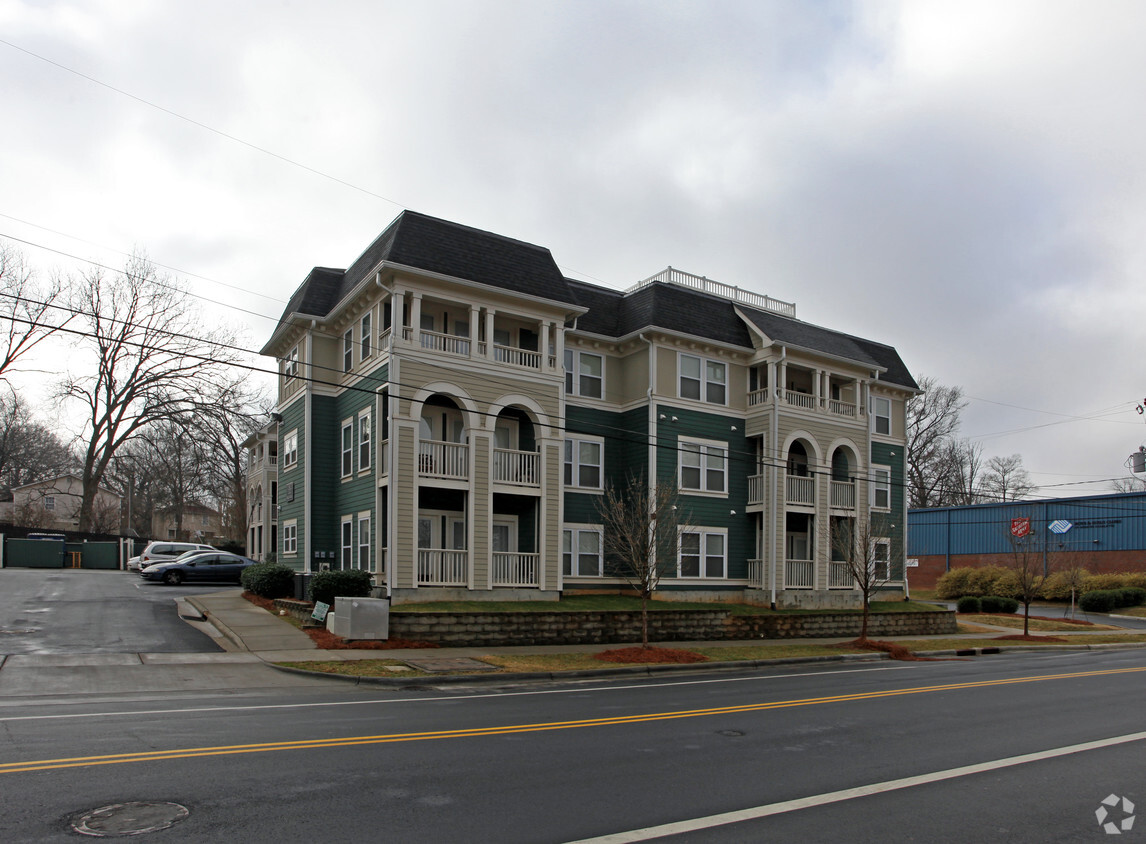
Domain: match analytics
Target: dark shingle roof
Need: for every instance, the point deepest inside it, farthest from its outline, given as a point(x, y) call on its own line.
point(439, 246)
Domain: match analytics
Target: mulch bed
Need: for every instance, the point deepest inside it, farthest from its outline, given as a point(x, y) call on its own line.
point(1019, 637)
point(327, 641)
point(1077, 621)
point(650, 655)
point(892, 650)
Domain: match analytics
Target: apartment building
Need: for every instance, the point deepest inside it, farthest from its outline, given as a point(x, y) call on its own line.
point(451, 409)
point(262, 448)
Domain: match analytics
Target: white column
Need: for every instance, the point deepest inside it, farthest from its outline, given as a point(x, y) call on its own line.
point(817, 388)
point(416, 318)
point(543, 346)
point(475, 317)
point(489, 333)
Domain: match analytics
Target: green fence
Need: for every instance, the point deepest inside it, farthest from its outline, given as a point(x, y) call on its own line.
point(53, 554)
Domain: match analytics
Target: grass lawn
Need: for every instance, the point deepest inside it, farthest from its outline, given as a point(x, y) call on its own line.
point(1137, 612)
point(627, 603)
point(1036, 624)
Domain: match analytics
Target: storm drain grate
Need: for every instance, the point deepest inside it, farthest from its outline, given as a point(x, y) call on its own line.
point(122, 819)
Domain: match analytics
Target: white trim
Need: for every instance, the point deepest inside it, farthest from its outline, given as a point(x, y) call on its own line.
point(876, 486)
point(346, 472)
point(574, 484)
point(702, 379)
point(702, 449)
point(702, 553)
point(574, 531)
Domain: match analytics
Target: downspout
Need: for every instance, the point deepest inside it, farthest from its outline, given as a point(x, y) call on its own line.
point(652, 412)
point(774, 468)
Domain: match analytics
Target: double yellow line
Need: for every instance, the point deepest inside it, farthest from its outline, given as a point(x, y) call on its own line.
point(354, 741)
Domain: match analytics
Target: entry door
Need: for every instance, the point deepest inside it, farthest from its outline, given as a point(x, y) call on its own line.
point(504, 536)
point(442, 531)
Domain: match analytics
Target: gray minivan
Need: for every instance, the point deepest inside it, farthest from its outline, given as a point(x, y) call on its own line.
point(162, 552)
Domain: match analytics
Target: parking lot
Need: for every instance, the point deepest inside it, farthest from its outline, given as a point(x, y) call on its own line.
point(71, 611)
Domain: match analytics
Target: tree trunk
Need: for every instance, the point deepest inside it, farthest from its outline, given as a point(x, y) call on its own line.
point(863, 623)
point(644, 621)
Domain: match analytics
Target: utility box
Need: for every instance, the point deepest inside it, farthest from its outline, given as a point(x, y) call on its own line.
point(360, 618)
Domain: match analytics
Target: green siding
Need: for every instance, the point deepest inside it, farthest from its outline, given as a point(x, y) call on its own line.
point(625, 454)
point(294, 418)
point(884, 454)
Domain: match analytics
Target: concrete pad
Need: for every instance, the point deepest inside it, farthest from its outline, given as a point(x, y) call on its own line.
point(16, 661)
point(199, 659)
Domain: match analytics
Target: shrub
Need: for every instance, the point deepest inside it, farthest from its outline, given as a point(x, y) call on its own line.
point(1057, 586)
point(1008, 605)
point(352, 583)
point(991, 603)
point(1097, 600)
point(1135, 579)
point(1007, 585)
point(953, 584)
point(969, 604)
point(268, 580)
point(1103, 582)
point(1129, 596)
point(984, 579)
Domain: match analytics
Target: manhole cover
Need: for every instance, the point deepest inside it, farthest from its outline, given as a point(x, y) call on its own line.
point(450, 665)
point(129, 819)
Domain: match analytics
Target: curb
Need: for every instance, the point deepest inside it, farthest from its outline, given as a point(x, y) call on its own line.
point(227, 633)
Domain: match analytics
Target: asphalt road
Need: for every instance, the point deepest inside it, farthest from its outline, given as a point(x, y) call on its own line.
point(64, 611)
point(803, 753)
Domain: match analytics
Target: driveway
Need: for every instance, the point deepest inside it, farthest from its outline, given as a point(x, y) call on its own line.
point(76, 611)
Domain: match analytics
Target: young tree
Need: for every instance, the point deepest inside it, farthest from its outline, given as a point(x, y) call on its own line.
point(29, 310)
point(643, 526)
point(869, 549)
point(932, 423)
point(1025, 561)
point(150, 361)
point(1006, 480)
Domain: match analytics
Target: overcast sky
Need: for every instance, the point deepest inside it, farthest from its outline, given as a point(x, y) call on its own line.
point(963, 181)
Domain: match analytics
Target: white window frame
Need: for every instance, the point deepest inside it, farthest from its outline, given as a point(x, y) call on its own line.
point(702, 380)
point(362, 558)
point(692, 445)
point(574, 375)
point(290, 364)
point(290, 449)
point(290, 538)
point(364, 328)
point(49, 502)
point(572, 533)
point(877, 486)
point(885, 575)
point(876, 401)
point(365, 440)
point(703, 555)
point(572, 459)
point(346, 451)
point(348, 350)
point(346, 542)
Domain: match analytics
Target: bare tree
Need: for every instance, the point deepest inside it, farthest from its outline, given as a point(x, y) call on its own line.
point(963, 473)
point(29, 310)
point(29, 451)
point(932, 423)
point(869, 549)
point(643, 527)
point(1005, 479)
point(1131, 483)
point(1025, 561)
point(147, 364)
point(180, 462)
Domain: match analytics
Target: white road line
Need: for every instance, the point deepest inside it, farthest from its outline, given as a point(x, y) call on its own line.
point(651, 832)
point(456, 699)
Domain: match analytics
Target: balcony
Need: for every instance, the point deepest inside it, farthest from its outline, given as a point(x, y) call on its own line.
point(839, 575)
point(756, 574)
point(513, 569)
point(450, 461)
point(798, 399)
point(842, 408)
point(799, 489)
point(755, 489)
point(843, 495)
point(516, 357)
point(799, 574)
point(519, 468)
point(441, 567)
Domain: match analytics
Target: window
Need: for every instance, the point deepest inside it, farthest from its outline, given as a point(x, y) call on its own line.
point(584, 374)
point(881, 559)
point(290, 449)
point(290, 363)
point(881, 488)
point(364, 330)
point(364, 541)
point(583, 463)
point(364, 441)
point(581, 552)
point(881, 415)
point(49, 502)
point(347, 543)
point(274, 493)
point(348, 350)
point(703, 380)
point(347, 448)
point(702, 554)
point(703, 466)
point(290, 537)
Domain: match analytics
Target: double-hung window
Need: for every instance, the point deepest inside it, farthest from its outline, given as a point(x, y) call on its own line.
point(348, 350)
point(584, 374)
point(290, 364)
point(703, 554)
point(290, 449)
point(347, 448)
point(581, 552)
point(881, 560)
point(703, 466)
point(881, 488)
point(703, 380)
point(364, 440)
point(290, 537)
point(881, 415)
point(363, 541)
point(364, 331)
point(347, 560)
point(583, 461)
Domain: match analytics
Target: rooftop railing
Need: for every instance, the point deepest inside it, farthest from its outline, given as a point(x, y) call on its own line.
point(717, 288)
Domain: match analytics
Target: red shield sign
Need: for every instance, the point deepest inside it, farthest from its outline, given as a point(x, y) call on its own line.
point(1020, 527)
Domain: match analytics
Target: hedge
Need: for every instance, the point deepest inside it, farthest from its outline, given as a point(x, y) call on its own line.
point(268, 580)
point(969, 604)
point(351, 583)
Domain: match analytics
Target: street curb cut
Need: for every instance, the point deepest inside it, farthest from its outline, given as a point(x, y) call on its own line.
point(214, 620)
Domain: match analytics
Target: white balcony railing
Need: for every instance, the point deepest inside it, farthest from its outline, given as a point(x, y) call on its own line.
point(843, 495)
point(799, 574)
point(799, 489)
point(439, 567)
point(513, 569)
point(443, 460)
point(755, 489)
point(517, 357)
point(841, 408)
point(756, 397)
point(717, 288)
point(756, 574)
point(839, 575)
point(805, 400)
point(448, 343)
point(515, 467)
